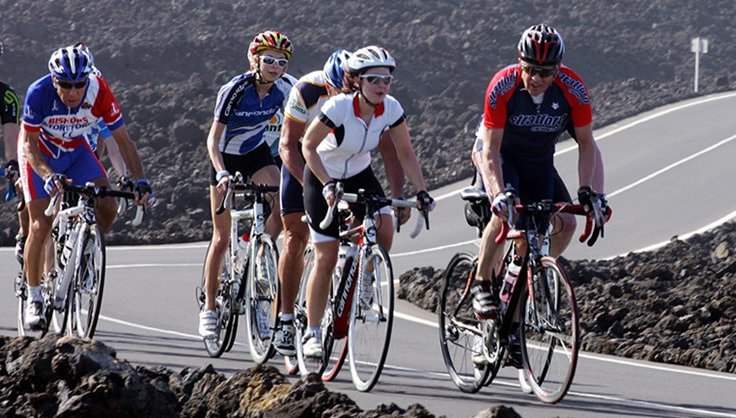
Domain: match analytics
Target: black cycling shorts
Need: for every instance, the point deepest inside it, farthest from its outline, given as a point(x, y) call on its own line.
point(247, 164)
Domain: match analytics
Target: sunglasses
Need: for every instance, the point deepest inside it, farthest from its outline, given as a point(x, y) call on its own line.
point(538, 69)
point(378, 78)
point(66, 85)
point(281, 62)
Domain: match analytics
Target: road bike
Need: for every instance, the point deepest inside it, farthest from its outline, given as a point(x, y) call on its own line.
point(540, 320)
point(73, 285)
point(355, 325)
point(248, 280)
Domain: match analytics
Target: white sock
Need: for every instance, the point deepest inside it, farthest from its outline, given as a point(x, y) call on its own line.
point(315, 330)
point(35, 293)
point(285, 317)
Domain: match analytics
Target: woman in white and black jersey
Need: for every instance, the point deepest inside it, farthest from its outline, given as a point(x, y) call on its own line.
point(337, 147)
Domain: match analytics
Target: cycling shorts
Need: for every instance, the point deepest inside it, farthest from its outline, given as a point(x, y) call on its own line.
point(316, 206)
point(247, 164)
point(80, 165)
point(292, 193)
point(533, 181)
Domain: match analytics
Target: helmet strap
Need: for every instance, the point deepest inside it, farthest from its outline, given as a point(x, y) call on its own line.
point(366, 98)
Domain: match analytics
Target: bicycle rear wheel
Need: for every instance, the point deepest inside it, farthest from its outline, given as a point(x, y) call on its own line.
point(460, 332)
point(226, 318)
point(87, 285)
point(306, 364)
point(261, 298)
point(550, 332)
point(369, 333)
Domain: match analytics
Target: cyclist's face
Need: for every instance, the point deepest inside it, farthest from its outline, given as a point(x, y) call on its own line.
point(376, 83)
point(534, 82)
point(272, 70)
point(71, 94)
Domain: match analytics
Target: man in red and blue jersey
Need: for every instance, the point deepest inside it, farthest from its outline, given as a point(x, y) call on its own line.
point(528, 105)
point(60, 110)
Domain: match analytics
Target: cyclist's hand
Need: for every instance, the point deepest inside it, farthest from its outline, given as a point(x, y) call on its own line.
point(222, 178)
point(402, 215)
point(125, 183)
point(425, 201)
point(12, 171)
point(328, 192)
point(144, 195)
point(53, 183)
point(501, 203)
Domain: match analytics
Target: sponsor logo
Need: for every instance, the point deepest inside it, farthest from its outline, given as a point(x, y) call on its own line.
point(248, 113)
point(235, 95)
point(539, 122)
point(297, 107)
point(555, 105)
point(502, 87)
point(86, 105)
point(347, 289)
point(575, 87)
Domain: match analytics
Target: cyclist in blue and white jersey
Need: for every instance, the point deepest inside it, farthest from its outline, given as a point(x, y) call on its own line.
point(337, 147)
point(235, 143)
point(60, 109)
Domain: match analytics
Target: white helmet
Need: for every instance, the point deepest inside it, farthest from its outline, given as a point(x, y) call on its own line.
point(370, 57)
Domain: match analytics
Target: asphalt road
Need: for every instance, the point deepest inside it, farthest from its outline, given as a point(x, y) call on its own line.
point(667, 171)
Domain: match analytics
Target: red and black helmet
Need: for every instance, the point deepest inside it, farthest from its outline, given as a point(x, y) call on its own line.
point(541, 45)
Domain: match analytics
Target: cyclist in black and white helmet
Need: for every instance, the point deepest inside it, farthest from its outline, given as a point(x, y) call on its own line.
point(337, 147)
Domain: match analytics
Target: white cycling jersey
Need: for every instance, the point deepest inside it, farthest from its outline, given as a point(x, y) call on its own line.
point(307, 97)
point(346, 151)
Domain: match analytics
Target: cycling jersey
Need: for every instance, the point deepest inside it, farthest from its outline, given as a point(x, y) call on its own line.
point(273, 130)
point(530, 130)
point(345, 151)
point(305, 101)
point(245, 114)
point(9, 105)
point(63, 129)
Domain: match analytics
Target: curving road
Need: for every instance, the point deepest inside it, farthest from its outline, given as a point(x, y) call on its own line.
point(665, 173)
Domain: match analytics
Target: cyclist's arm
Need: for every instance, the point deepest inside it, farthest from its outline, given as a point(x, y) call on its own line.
point(10, 137)
point(213, 149)
point(407, 157)
point(33, 154)
point(129, 151)
point(291, 131)
point(116, 159)
point(316, 133)
point(394, 172)
point(491, 161)
point(588, 155)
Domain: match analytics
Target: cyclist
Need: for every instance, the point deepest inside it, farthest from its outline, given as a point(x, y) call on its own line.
point(527, 107)
point(235, 143)
point(563, 224)
point(305, 101)
point(337, 147)
point(59, 110)
point(10, 121)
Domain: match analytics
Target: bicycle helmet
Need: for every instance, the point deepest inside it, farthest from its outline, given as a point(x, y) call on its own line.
point(370, 57)
point(70, 64)
point(541, 45)
point(271, 40)
point(335, 68)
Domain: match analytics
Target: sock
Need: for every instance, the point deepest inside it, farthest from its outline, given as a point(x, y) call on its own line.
point(286, 317)
point(35, 293)
point(315, 330)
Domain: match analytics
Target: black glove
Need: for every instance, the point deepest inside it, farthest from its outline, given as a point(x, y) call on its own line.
point(11, 169)
point(126, 183)
point(586, 196)
point(425, 201)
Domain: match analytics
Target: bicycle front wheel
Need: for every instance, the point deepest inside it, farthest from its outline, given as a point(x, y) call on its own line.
point(371, 318)
point(261, 298)
point(461, 335)
point(87, 285)
point(550, 332)
point(226, 318)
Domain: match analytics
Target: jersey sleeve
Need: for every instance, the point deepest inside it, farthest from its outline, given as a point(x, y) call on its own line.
point(497, 96)
point(397, 114)
point(228, 98)
point(33, 109)
point(576, 94)
point(107, 107)
point(296, 108)
point(10, 107)
point(331, 111)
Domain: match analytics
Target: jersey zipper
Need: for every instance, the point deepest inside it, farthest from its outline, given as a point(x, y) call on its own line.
point(362, 146)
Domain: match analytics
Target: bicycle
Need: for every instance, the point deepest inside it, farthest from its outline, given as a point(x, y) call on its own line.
point(354, 325)
point(72, 288)
point(249, 283)
point(540, 319)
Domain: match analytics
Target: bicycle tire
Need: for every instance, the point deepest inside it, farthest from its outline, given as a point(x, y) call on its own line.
point(291, 363)
point(262, 290)
point(87, 285)
point(460, 331)
point(369, 332)
point(550, 332)
point(223, 307)
point(332, 345)
point(306, 364)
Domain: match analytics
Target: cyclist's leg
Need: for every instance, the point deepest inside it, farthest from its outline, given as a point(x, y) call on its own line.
point(296, 234)
point(217, 249)
point(563, 224)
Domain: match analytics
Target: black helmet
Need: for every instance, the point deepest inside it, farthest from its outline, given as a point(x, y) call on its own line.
point(541, 45)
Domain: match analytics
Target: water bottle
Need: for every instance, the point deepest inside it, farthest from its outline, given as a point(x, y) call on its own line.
point(512, 273)
point(66, 252)
point(240, 257)
point(344, 252)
